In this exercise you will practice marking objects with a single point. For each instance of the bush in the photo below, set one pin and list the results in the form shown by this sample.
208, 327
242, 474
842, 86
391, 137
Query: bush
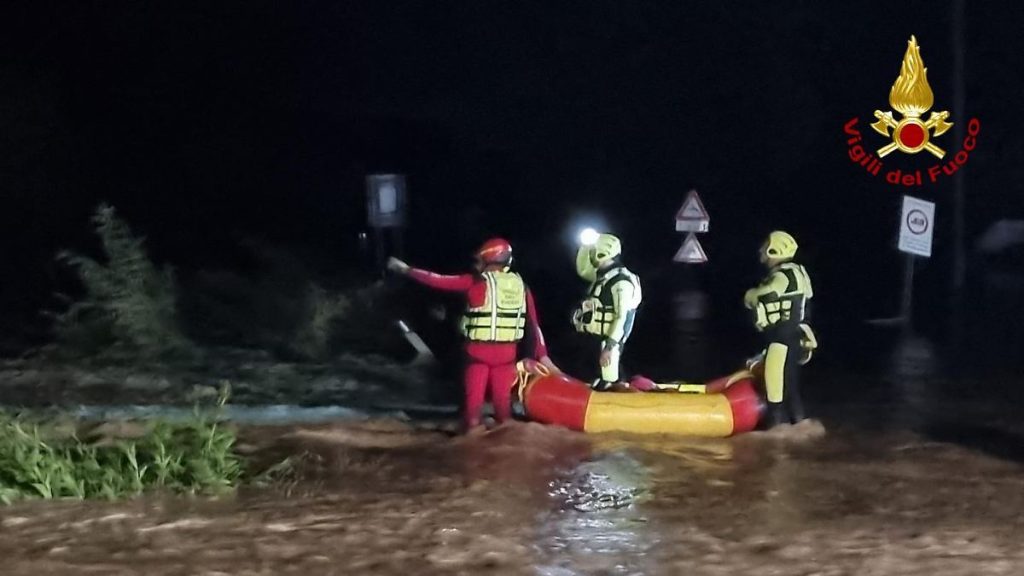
368, 324
325, 309
133, 311
129, 306
283, 308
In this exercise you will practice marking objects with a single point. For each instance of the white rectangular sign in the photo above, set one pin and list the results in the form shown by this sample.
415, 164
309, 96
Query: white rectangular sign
917, 225
692, 225
385, 200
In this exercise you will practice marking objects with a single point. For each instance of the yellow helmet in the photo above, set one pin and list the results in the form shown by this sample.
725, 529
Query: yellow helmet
605, 249
780, 246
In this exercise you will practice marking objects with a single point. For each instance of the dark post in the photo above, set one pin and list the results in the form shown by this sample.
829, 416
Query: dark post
959, 96
398, 241
907, 305
378, 253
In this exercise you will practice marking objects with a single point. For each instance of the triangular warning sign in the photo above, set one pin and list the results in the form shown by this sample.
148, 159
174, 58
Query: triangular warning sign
693, 208
691, 252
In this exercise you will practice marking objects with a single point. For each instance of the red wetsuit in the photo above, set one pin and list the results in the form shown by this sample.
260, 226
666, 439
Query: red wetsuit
491, 363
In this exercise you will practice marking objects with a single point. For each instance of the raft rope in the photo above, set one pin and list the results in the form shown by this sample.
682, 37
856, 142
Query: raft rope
524, 374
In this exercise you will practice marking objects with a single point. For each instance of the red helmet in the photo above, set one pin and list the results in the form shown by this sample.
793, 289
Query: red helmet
495, 251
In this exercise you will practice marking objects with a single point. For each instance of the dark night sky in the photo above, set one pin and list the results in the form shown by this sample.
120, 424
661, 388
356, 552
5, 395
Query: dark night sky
212, 121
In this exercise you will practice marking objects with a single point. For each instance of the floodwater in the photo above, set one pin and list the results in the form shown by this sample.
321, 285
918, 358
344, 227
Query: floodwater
892, 488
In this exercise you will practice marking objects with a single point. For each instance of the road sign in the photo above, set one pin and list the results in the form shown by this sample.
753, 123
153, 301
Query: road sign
692, 217
385, 195
691, 252
917, 225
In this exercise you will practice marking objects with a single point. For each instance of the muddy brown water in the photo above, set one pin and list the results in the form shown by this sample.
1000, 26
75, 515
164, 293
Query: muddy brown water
390, 498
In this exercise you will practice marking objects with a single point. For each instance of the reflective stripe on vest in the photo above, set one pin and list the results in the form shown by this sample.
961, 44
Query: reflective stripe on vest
502, 318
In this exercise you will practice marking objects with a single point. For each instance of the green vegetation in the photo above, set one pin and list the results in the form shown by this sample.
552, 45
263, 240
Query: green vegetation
129, 307
129, 311
131, 329
325, 309
39, 460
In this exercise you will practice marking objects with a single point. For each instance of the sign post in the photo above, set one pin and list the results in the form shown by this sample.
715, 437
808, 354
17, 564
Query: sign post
693, 218
690, 303
917, 227
386, 209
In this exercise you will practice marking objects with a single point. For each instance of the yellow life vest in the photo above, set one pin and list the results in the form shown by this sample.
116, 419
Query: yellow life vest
596, 314
788, 305
502, 318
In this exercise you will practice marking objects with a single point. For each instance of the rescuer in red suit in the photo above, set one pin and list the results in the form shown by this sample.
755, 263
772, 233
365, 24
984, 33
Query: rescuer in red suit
499, 314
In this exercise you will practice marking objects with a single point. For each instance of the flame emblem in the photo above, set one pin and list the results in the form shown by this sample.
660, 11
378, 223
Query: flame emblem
912, 97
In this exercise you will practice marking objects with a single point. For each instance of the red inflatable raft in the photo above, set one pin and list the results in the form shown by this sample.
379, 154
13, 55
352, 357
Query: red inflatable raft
723, 407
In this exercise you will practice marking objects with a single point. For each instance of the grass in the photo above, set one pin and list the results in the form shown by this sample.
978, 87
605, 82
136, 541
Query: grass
38, 460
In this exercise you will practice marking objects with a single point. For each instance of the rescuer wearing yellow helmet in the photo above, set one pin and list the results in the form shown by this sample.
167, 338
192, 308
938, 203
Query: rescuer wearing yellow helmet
780, 306
609, 309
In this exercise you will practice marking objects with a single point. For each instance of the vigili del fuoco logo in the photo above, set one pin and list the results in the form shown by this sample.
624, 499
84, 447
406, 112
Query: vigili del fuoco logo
907, 131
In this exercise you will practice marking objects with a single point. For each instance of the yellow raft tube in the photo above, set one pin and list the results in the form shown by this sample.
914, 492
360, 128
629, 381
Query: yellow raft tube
720, 408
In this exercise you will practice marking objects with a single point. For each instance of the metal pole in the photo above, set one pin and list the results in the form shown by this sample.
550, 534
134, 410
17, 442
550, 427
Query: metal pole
959, 257
379, 258
907, 305
399, 240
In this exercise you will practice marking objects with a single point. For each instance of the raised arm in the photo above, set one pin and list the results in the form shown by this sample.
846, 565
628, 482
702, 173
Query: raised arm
457, 283
771, 287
